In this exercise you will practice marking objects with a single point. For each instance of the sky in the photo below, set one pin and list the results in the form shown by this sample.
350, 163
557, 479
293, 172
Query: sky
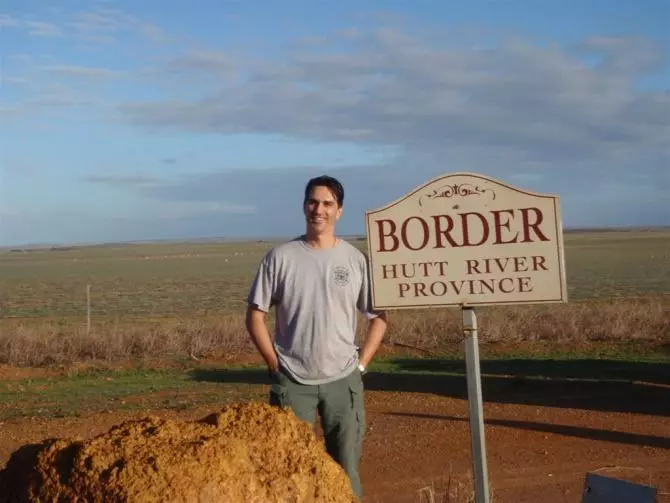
166, 119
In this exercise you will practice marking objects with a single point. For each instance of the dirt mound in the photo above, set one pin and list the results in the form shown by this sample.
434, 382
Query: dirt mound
245, 453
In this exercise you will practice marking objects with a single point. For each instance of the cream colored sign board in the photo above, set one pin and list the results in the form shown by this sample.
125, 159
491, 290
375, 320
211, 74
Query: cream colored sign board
465, 239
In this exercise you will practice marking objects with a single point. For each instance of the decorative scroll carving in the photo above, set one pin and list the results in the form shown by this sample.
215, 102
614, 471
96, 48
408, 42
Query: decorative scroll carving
457, 190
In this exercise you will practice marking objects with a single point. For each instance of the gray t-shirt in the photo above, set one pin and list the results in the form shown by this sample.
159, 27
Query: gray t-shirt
317, 294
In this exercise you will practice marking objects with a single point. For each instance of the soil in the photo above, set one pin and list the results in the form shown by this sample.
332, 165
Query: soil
247, 452
543, 437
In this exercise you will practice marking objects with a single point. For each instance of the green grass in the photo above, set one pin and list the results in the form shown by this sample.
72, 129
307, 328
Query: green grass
181, 388
199, 279
536, 359
111, 390
617, 264
128, 281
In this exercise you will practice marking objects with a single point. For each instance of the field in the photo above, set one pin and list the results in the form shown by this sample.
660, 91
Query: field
568, 388
167, 300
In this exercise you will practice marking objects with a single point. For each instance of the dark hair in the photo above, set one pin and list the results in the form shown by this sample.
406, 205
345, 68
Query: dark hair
329, 182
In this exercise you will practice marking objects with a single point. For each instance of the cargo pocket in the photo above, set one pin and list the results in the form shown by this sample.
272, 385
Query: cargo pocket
279, 395
358, 406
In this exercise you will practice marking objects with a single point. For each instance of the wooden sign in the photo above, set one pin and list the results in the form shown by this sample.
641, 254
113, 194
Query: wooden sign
465, 239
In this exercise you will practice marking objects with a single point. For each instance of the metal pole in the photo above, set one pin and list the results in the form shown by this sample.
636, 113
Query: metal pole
475, 402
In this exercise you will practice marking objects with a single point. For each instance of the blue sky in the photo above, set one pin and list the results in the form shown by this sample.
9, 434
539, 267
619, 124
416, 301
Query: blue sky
124, 120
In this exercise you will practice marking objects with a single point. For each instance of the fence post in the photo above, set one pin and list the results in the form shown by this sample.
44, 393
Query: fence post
88, 309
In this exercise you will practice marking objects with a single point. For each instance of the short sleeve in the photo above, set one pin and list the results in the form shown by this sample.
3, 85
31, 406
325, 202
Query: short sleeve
364, 303
263, 290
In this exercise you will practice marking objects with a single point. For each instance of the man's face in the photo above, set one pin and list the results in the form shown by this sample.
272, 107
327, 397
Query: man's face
321, 210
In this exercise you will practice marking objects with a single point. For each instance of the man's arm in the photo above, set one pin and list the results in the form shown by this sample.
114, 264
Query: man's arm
373, 338
260, 335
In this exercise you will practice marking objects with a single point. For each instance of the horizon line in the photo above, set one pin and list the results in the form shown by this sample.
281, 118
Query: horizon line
238, 239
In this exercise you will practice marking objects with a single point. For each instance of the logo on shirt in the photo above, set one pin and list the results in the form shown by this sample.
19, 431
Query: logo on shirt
341, 276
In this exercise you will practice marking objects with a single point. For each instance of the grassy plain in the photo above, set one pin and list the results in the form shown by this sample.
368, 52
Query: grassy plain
100, 390
176, 300
168, 334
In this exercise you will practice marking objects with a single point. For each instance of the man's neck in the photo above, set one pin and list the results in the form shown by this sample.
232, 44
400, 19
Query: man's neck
321, 241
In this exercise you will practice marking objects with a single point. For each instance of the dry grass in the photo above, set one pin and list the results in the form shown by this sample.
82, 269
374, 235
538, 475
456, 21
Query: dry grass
44, 342
450, 489
38, 343
641, 318
187, 300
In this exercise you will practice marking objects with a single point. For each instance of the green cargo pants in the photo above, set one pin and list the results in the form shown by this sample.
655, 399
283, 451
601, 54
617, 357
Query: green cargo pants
342, 412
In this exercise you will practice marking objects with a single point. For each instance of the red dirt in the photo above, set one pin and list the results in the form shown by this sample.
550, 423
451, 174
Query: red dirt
420, 441
246, 452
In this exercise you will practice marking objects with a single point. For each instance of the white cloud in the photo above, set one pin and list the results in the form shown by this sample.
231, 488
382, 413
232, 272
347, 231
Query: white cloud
9, 21
43, 84
22, 58
99, 24
57, 95
203, 209
203, 61
101, 20
33, 28
43, 29
81, 71
393, 89
154, 32
18, 81
539, 116
161, 208
134, 180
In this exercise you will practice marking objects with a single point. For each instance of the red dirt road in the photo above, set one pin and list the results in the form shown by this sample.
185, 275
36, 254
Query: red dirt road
535, 452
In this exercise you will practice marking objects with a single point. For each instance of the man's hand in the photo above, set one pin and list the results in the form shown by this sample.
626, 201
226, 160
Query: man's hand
373, 338
273, 368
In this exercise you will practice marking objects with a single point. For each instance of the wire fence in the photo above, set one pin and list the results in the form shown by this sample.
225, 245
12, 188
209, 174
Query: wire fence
89, 301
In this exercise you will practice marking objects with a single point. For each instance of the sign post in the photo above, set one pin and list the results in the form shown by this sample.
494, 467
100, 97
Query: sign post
466, 240
475, 406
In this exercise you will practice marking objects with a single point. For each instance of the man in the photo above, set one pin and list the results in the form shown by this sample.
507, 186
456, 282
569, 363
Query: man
317, 283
